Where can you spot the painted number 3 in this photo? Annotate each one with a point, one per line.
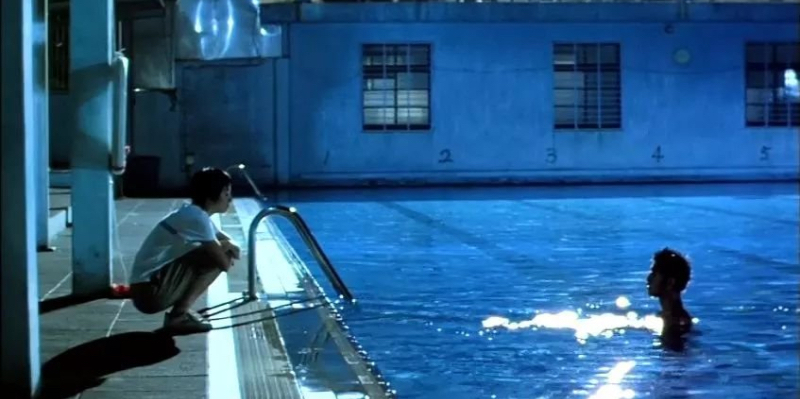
(552, 155)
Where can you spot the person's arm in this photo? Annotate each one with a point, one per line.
(202, 231)
(222, 236)
(217, 254)
(228, 245)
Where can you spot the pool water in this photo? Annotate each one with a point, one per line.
(540, 293)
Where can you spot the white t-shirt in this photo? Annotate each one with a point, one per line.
(174, 236)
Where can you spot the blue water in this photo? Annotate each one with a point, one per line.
(429, 266)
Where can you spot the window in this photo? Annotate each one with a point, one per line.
(58, 42)
(396, 87)
(771, 80)
(587, 93)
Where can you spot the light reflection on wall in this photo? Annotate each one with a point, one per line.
(212, 14)
(791, 86)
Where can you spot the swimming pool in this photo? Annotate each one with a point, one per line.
(429, 267)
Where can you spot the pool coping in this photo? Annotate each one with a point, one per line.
(353, 354)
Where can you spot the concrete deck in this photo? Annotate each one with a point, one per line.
(106, 349)
(92, 350)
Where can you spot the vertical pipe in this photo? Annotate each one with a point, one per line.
(42, 118)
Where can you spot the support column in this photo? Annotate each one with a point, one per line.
(42, 116)
(91, 49)
(19, 271)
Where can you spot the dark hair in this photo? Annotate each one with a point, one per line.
(207, 185)
(673, 264)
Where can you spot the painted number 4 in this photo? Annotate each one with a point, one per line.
(657, 155)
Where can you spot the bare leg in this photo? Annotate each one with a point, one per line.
(202, 277)
(195, 290)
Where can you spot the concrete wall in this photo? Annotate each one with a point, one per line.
(221, 115)
(491, 98)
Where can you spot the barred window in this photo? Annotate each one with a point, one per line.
(396, 88)
(58, 43)
(587, 89)
(772, 84)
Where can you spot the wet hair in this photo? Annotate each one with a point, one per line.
(207, 185)
(672, 264)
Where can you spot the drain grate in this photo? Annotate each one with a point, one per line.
(265, 370)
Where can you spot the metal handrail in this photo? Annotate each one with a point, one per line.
(302, 228)
(243, 169)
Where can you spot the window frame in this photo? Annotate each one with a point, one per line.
(600, 69)
(395, 70)
(770, 65)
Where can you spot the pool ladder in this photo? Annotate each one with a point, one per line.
(290, 214)
(302, 228)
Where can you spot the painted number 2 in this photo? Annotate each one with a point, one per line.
(444, 156)
(552, 155)
(765, 153)
(657, 155)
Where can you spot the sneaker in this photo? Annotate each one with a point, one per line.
(185, 323)
(196, 315)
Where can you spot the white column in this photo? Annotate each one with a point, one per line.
(19, 272)
(91, 49)
(42, 118)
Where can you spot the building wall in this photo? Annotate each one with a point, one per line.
(491, 98)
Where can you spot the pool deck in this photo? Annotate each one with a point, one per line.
(104, 348)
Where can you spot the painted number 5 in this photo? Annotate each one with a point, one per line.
(765, 153)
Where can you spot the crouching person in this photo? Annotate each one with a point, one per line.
(184, 254)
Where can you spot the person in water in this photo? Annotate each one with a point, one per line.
(669, 275)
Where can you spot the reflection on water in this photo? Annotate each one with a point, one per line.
(612, 388)
(586, 326)
(605, 324)
(622, 302)
(464, 259)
